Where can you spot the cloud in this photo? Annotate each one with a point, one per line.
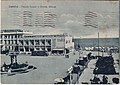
(69, 22)
(70, 18)
(73, 23)
(46, 30)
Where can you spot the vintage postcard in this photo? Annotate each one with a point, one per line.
(59, 42)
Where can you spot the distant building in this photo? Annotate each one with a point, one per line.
(28, 42)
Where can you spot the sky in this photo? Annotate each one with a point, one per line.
(70, 17)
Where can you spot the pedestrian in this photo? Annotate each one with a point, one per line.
(96, 80)
(105, 79)
(9, 71)
(73, 53)
(4, 65)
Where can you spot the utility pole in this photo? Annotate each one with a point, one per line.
(90, 21)
(98, 44)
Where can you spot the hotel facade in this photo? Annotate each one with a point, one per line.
(28, 42)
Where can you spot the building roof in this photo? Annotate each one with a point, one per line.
(12, 30)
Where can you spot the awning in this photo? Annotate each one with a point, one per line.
(57, 49)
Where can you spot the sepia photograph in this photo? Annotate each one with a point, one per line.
(59, 42)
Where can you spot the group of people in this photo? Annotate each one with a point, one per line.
(97, 80)
(104, 80)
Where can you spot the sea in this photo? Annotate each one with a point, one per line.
(93, 42)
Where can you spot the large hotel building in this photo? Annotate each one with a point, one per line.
(27, 41)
